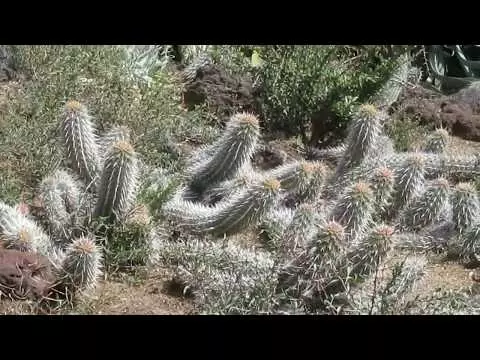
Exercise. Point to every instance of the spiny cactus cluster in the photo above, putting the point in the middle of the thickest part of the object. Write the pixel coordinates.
(346, 220)
(99, 187)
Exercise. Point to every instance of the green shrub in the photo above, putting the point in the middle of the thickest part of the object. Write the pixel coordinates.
(300, 81)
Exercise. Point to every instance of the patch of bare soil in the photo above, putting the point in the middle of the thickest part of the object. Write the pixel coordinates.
(146, 297)
(149, 297)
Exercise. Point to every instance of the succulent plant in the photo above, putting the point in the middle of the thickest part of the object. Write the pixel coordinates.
(228, 154)
(82, 266)
(119, 182)
(465, 206)
(80, 141)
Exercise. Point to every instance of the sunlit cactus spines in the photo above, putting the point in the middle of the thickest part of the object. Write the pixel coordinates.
(383, 182)
(437, 141)
(305, 178)
(21, 233)
(312, 274)
(354, 209)
(363, 133)
(465, 206)
(69, 189)
(409, 182)
(390, 91)
(235, 147)
(274, 225)
(241, 210)
(370, 251)
(301, 229)
(60, 195)
(245, 177)
(114, 134)
(119, 182)
(428, 207)
(82, 266)
(470, 243)
(80, 141)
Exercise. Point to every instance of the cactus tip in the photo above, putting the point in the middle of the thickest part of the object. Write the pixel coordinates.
(272, 184)
(368, 110)
(73, 105)
(123, 147)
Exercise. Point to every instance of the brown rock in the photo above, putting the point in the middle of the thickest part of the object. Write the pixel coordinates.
(24, 275)
(224, 93)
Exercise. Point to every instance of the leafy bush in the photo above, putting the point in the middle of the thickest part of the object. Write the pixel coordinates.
(300, 83)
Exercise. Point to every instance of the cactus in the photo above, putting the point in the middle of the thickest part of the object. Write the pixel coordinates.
(242, 209)
(428, 208)
(362, 135)
(116, 133)
(118, 185)
(307, 277)
(354, 209)
(409, 181)
(370, 251)
(20, 233)
(465, 206)
(437, 141)
(301, 229)
(470, 243)
(230, 153)
(82, 266)
(225, 279)
(80, 141)
(60, 196)
(392, 88)
(274, 225)
(383, 182)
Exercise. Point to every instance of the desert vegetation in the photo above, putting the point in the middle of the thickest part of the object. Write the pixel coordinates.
(237, 180)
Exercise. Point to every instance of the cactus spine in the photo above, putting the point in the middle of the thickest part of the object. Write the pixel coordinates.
(60, 196)
(465, 206)
(229, 153)
(354, 209)
(118, 184)
(437, 141)
(409, 181)
(241, 210)
(362, 135)
(80, 141)
(82, 266)
(20, 233)
(427, 209)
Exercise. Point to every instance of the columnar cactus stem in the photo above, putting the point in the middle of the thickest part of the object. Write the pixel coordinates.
(308, 276)
(80, 141)
(301, 230)
(20, 233)
(354, 209)
(119, 181)
(427, 209)
(239, 211)
(229, 153)
(365, 257)
(470, 244)
(465, 206)
(82, 266)
(60, 195)
(409, 181)
(363, 133)
(383, 181)
(437, 141)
